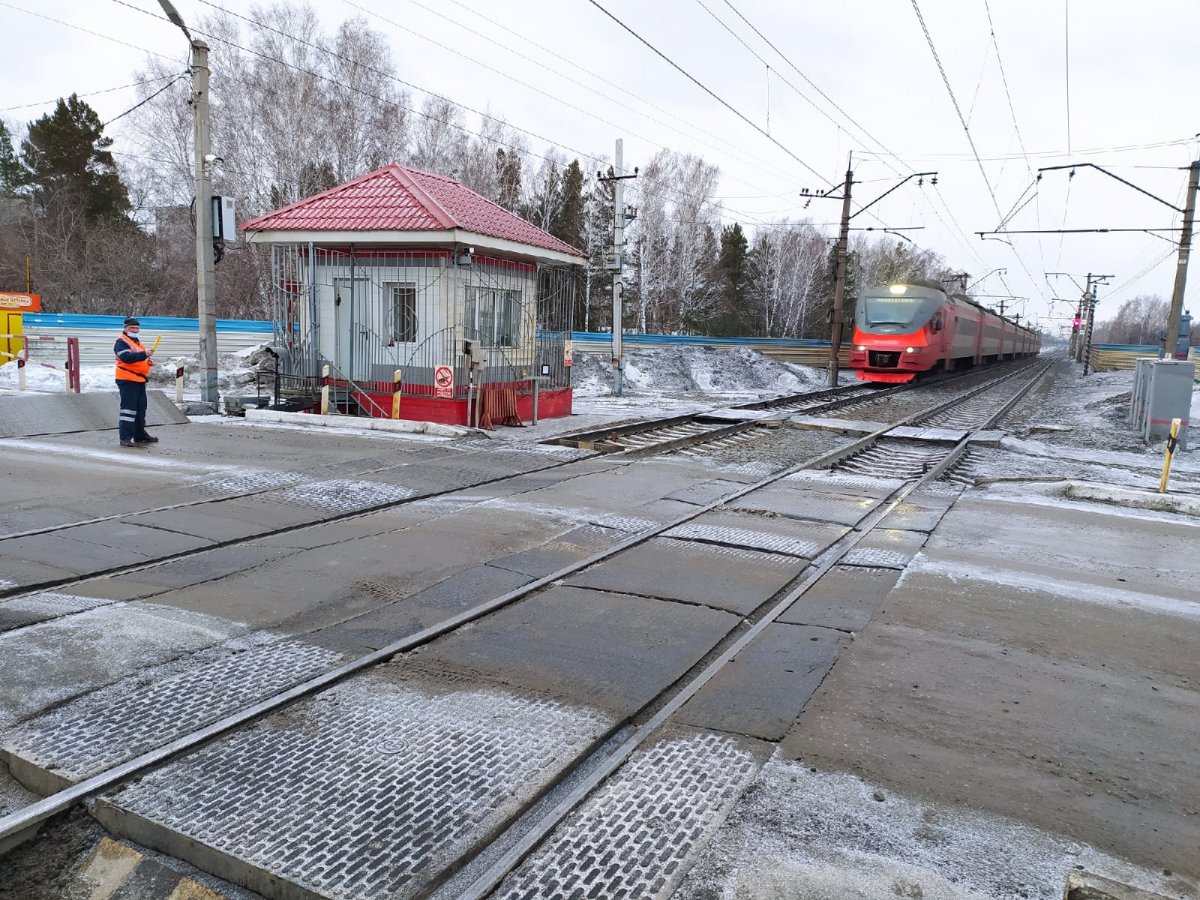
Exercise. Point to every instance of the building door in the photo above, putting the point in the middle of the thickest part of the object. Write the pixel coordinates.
(347, 311)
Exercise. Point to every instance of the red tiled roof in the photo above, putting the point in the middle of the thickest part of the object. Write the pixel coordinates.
(397, 198)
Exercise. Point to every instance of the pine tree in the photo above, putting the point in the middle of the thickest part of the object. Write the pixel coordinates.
(66, 153)
(567, 222)
(734, 263)
(12, 175)
(508, 177)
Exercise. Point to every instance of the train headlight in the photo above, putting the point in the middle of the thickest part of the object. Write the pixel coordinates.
(910, 349)
(861, 347)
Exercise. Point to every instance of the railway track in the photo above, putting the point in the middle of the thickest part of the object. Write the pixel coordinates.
(494, 864)
(717, 427)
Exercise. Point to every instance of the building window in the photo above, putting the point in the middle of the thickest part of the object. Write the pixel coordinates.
(404, 312)
(495, 316)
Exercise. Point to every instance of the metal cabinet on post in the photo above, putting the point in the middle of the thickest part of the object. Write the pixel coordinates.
(1168, 396)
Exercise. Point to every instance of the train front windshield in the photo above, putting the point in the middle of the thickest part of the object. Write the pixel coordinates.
(894, 313)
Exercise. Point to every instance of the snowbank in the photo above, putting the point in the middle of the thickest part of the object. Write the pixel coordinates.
(738, 372)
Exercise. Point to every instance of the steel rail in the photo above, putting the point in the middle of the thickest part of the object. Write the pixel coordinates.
(615, 757)
(18, 826)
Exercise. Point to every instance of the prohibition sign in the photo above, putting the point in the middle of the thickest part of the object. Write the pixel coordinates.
(443, 381)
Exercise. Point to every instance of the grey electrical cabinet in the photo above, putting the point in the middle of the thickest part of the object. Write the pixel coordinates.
(1162, 391)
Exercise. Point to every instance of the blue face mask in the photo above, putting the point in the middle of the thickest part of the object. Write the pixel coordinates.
(132, 332)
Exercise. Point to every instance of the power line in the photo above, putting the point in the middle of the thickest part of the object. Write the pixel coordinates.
(710, 92)
(1051, 154)
(1007, 93)
(758, 57)
(574, 64)
(813, 85)
(967, 131)
(544, 93)
(334, 81)
(147, 100)
(1067, 65)
(945, 80)
(110, 90)
(88, 31)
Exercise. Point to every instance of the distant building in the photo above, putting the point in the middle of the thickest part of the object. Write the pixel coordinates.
(405, 270)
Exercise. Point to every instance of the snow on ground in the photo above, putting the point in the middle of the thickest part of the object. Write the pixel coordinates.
(683, 380)
(235, 374)
(738, 373)
(800, 833)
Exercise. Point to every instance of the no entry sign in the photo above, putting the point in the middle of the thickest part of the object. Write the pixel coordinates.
(443, 382)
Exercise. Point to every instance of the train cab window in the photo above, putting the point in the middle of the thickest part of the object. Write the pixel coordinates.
(937, 323)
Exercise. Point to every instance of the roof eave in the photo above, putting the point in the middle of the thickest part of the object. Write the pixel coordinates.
(450, 236)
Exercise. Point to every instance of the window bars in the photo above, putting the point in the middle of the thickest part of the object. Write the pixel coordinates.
(372, 311)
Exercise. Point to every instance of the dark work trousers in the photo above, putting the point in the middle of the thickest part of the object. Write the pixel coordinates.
(131, 423)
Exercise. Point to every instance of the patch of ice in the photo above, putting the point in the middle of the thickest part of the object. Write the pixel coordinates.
(798, 833)
(1040, 583)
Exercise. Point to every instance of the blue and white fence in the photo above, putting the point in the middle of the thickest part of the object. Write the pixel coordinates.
(48, 333)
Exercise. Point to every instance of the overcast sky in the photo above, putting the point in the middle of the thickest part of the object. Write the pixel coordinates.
(1112, 81)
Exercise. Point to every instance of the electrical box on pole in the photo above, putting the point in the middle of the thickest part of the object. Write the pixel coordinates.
(224, 213)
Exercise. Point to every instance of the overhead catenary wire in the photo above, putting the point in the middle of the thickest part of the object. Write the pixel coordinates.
(1067, 65)
(726, 211)
(967, 131)
(330, 52)
(957, 109)
(1007, 93)
(814, 86)
(575, 64)
(750, 161)
(764, 62)
(462, 128)
(711, 93)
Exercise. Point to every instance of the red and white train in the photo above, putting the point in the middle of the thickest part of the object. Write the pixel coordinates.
(903, 330)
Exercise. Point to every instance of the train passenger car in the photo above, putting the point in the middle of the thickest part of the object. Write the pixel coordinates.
(904, 330)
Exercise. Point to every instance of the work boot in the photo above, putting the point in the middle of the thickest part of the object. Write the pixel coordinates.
(128, 444)
(146, 439)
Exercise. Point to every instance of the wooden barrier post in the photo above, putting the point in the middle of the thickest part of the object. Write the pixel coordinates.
(397, 382)
(74, 376)
(325, 390)
(1172, 442)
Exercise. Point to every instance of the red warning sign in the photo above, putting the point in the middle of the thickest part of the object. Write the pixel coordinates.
(443, 382)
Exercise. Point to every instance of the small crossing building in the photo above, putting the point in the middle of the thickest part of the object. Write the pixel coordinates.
(404, 271)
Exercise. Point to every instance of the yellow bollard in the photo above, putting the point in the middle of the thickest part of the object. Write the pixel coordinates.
(397, 379)
(325, 391)
(1172, 442)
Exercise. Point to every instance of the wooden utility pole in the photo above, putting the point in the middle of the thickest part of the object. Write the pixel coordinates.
(837, 317)
(1185, 249)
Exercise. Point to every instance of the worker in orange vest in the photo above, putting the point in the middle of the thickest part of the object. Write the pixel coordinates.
(133, 370)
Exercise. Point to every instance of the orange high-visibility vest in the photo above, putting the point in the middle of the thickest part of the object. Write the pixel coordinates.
(137, 371)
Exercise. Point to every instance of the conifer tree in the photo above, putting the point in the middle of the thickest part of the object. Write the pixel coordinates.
(66, 153)
(12, 175)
